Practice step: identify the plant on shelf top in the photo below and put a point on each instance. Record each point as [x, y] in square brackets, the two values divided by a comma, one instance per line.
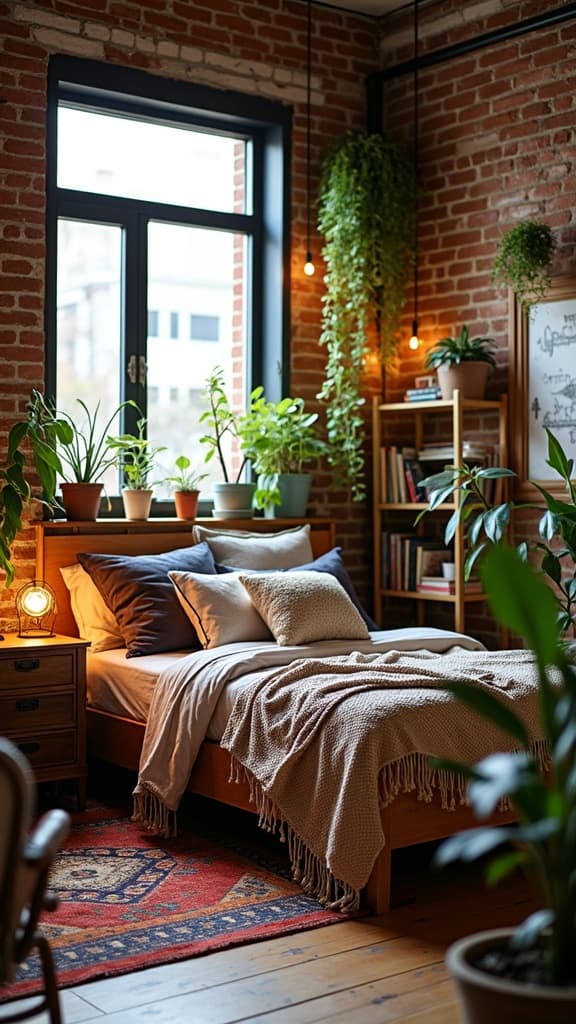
[280, 438]
[367, 211]
[460, 349]
[486, 523]
[523, 261]
[136, 455]
[543, 839]
[186, 479]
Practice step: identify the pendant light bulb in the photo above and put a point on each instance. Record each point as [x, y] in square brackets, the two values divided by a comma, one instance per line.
[414, 342]
[309, 268]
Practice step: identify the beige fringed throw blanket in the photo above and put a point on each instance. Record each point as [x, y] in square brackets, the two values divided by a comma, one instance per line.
[325, 743]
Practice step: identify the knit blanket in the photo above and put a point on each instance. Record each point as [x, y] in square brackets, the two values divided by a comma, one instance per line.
[186, 695]
[325, 743]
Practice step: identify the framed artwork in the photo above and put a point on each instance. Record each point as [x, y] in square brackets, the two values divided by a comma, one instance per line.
[542, 384]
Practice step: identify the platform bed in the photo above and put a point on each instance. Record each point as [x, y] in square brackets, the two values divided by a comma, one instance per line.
[118, 740]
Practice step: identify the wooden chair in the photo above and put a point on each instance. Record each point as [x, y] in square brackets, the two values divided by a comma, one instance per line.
[25, 860]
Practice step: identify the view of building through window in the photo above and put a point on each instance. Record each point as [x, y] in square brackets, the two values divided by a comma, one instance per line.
[194, 282]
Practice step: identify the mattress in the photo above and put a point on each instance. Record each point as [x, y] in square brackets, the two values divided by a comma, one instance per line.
[124, 686]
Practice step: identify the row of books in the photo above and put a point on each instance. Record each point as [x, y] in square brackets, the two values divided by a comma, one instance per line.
[400, 475]
[414, 563]
[428, 394]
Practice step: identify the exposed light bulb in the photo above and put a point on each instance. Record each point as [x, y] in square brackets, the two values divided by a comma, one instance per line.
[309, 268]
[36, 602]
[414, 342]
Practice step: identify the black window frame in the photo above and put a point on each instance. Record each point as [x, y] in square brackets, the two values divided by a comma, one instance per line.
[268, 124]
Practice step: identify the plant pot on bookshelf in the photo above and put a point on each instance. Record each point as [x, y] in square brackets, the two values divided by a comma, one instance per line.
[462, 363]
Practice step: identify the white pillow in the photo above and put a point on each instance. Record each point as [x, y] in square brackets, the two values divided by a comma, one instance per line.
[95, 621]
[245, 550]
[219, 608]
[302, 607]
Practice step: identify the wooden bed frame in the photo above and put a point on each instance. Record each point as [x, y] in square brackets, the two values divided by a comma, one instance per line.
[118, 740]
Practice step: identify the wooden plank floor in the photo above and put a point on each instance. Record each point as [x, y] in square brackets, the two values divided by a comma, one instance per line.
[362, 971]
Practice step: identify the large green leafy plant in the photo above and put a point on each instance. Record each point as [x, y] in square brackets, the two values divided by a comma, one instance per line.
[367, 210]
[460, 349]
[543, 840]
[486, 523]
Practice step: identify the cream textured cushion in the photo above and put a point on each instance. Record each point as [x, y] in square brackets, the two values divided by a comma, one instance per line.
[95, 621]
[219, 608]
[245, 550]
[302, 607]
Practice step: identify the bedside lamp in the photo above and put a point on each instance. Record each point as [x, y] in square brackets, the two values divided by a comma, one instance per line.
[36, 609]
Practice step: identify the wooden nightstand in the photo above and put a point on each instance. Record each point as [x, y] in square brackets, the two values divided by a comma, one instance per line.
[43, 705]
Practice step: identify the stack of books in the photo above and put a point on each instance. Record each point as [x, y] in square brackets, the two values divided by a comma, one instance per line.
[438, 585]
[428, 394]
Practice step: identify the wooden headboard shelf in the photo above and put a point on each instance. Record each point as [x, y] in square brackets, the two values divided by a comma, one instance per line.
[59, 541]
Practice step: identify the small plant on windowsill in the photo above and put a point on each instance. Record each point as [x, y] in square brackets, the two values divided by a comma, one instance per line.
[186, 487]
[136, 456]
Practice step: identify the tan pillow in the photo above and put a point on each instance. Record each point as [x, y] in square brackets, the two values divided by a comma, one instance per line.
[219, 608]
[95, 621]
[302, 607]
[244, 550]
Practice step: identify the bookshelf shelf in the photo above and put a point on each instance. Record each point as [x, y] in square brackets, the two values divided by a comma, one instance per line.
[401, 553]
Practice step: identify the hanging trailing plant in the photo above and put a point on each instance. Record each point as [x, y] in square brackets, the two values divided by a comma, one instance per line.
[367, 209]
[524, 259]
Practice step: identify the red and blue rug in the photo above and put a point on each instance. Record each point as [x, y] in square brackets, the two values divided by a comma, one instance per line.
[129, 900]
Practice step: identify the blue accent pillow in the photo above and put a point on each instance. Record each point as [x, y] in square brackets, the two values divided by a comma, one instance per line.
[140, 593]
[330, 562]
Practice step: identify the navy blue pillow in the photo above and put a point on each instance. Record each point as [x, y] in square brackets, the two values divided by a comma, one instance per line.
[140, 593]
[330, 562]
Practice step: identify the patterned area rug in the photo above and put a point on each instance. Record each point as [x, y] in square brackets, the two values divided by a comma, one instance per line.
[130, 900]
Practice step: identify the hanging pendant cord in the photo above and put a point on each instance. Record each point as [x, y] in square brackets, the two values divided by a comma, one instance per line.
[416, 166]
[308, 119]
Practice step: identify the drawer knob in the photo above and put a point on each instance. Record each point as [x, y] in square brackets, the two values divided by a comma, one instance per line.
[27, 664]
[27, 704]
[29, 748]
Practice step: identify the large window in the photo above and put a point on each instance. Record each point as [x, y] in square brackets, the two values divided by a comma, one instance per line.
[167, 245]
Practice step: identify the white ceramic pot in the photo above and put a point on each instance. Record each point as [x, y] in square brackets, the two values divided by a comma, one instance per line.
[488, 999]
[137, 503]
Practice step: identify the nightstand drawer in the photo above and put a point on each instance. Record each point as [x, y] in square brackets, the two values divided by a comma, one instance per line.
[51, 749]
[28, 667]
[38, 710]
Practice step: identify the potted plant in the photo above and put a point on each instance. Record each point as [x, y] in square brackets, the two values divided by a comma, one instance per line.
[232, 497]
[36, 435]
[280, 439]
[462, 362]
[186, 482]
[367, 211]
[137, 458]
[523, 261]
[526, 974]
[487, 523]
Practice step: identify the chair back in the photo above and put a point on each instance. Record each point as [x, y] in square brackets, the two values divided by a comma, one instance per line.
[17, 796]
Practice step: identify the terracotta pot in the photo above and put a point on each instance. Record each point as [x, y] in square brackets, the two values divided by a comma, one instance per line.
[186, 503]
[81, 501]
[136, 503]
[470, 378]
[485, 997]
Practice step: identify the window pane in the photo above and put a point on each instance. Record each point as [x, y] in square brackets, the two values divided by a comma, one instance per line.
[194, 273]
[89, 321]
[115, 156]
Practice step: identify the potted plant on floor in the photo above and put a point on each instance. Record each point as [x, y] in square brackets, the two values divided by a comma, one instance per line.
[136, 456]
[281, 439]
[524, 259]
[527, 974]
[186, 481]
[367, 211]
[462, 362]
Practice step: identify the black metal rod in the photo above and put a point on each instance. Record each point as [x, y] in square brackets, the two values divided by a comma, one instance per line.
[308, 122]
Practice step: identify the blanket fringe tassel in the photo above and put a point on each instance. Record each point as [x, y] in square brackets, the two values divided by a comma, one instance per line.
[150, 811]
